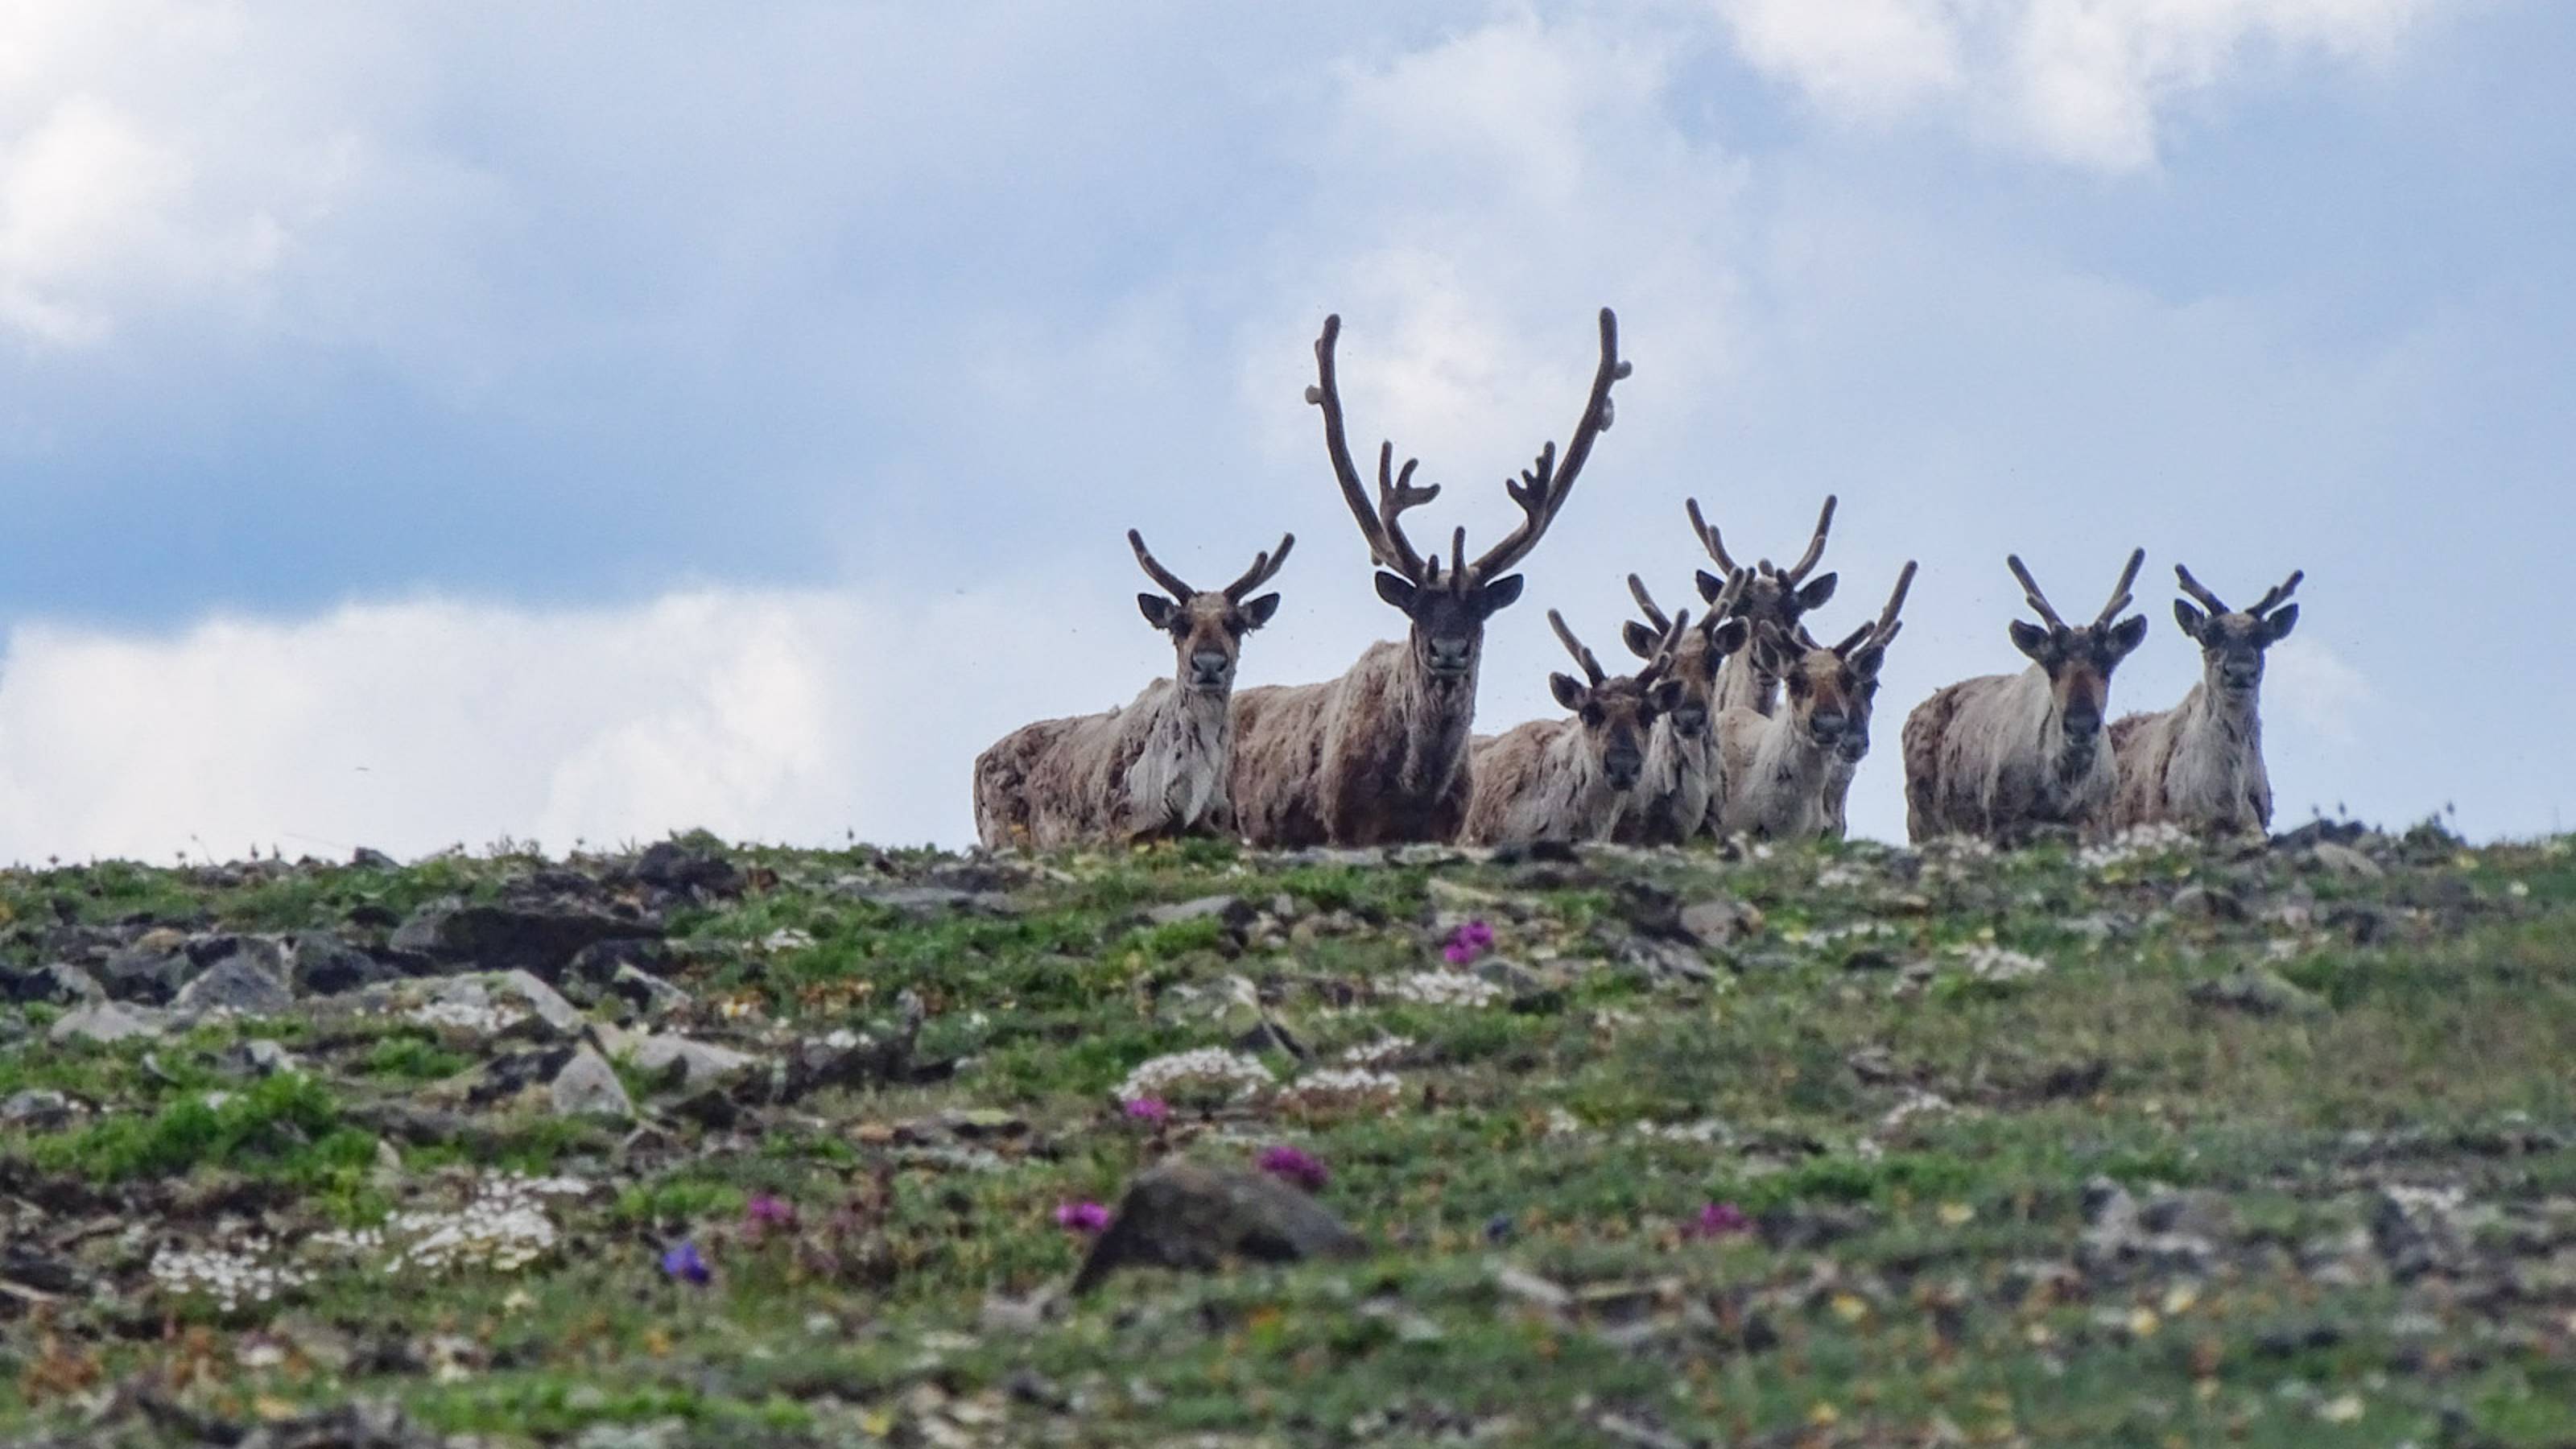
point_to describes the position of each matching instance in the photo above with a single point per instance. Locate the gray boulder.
(1195, 1216)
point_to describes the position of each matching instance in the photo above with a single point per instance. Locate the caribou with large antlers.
(2003, 754)
(1780, 767)
(1571, 779)
(2200, 764)
(1684, 775)
(1771, 596)
(1381, 754)
(1158, 767)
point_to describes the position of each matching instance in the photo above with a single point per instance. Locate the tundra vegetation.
(2263, 1143)
(1381, 754)
(1157, 767)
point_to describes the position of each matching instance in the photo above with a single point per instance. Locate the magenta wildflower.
(1467, 943)
(768, 1212)
(1294, 1164)
(1082, 1217)
(1149, 1109)
(1718, 1220)
(684, 1263)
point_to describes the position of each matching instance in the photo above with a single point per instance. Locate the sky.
(434, 424)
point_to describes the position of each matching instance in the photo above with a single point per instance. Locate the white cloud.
(2316, 690)
(2084, 82)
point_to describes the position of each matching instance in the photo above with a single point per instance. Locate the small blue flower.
(684, 1263)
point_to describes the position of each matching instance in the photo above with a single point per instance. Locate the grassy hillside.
(2149, 1145)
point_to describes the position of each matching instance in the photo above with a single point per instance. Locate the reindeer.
(1684, 769)
(2200, 764)
(1380, 755)
(1572, 779)
(1778, 597)
(1157, 767)
(2005, 754)
(1864, 703)
(1780, 767)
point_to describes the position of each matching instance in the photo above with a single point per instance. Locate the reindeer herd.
(1738, 722)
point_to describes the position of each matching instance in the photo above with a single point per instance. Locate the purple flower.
(1718, 1220)
(684, 1263)
(1082, 1217)
(1295, 1165)
(1467, 943)
(1149, 1109)
(768, 1212)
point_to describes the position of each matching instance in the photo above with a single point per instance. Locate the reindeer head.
(1617, 714)
(1448, 610)
(1693, 655)
(1774, 596)
(1829, 689)
(2232, 642)
(1207, 629)
(2079, 661)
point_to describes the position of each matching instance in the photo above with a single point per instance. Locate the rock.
(57, 983)
(2208, 903)
(646, 993)
(683, 1063)
(588, 1087)
(672, 866)
(1663, 960)
(543, 1001)
(1194, 1216)
(2260, 991)
(2343, 860)
(1526, 990)
(1720, 922)
(540, 940)
(258, 1058)
(1232, 912)
(321, 964)
(37, 1110)
(151, 974)
(597, 965)
(108, 1021)
(236, 983)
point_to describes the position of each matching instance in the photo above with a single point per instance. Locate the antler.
(1542, 489)
(1592, 671)
(1708, 536)
(1655, 619)
(2200, 591)
(1884, 627)
(1387, 544)
(1170, 581)
(1662, 659)
(1737, 580)
(2273, 598)
(1797, 573)
(1265, 566)
(2120, 595)
(2030, 593)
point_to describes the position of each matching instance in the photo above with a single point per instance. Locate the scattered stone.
(1234, 913)
(680, 1062)
(588, 1087)
(1191, 1215)
(321, 964)
(2261, 991)
(539, 940)
(57, 983)
(257, 1058)
(672, 866)
(108, 1021)
(38, 1110)
(151, 973)
(2208, 903)
(237, 983)
(2343, 860)
(369, 858)
(1720, 922)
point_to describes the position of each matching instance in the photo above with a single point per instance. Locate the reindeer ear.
(2191, 619)
(1664, 698)
(1396, 590)
(1729, 636)
(2277, 624)
(2127, 635)
(1257, 612)
(2030, 639)
(1710, 586)
(1865, 661)
(1566, 690)
(1641, 641)
(1817, 592)
(1775, 654)
(1158, 611)
(1493, 598)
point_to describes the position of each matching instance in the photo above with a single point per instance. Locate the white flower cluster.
(1705, 1132)
(224, 1278)
(502, 1228)
(1850, 931)
(1346, 1083)
(1232, 1072)
(1841, 876)
(1378, 1052)
(1915, 1103)
(2138, 842)
(480, 1017)
(1994, 963)
(1447, 988)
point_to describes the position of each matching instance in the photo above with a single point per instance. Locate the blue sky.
(431, 423)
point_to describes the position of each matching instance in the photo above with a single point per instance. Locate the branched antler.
(1543, 488)
(2030, 593)
(2120, 595)
(1884, 627)
(1797, 573)
(2275, 597)
(1388, 546)
(1265, 566)
(1170, 581)
(1654, 616)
